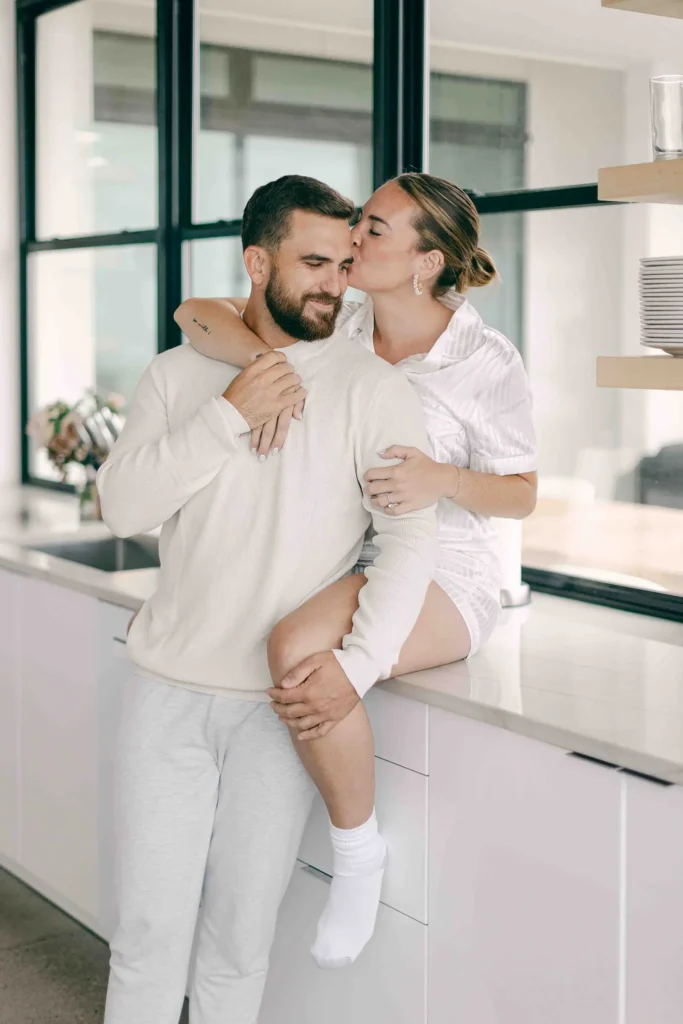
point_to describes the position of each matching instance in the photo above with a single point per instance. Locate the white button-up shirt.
(477, 403)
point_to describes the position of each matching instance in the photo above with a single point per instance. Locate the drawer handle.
(645, 777)
(592, 760)
(118, 640)
(318, 874)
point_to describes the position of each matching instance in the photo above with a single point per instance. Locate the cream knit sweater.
(245, 542)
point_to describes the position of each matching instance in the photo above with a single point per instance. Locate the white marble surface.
(599, 682)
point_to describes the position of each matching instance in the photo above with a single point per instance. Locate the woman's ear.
(257, 262)
(432, 264)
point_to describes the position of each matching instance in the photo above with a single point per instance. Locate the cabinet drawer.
(400, 727)
(386, 985)
(402, 816)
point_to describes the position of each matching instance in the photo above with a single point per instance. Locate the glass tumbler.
(666, 102)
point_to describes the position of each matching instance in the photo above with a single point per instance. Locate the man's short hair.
(267, 215)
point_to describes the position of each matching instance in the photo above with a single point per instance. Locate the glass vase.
(89, 506)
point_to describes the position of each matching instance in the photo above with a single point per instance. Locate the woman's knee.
(285, 649)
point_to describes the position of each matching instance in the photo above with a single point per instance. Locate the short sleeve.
(502, 434)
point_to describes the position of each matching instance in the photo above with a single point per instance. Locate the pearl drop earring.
(417, 287)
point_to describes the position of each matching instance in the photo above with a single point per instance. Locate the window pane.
(477, 132)
(96, 135)
(564, 86)
(92, 323)
(271, 105)
(611, 461)
(214, 266)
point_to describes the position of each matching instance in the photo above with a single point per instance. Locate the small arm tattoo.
(203, 326)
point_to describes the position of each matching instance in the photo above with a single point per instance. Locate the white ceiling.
(573, 30)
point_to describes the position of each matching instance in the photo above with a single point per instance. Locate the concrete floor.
(52, 970)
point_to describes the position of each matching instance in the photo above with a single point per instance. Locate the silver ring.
(393, 504)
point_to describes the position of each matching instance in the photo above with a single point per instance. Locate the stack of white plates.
(661, 303)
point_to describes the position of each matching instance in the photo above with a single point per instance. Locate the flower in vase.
(41, 428)
(67, 438)
(115, 401)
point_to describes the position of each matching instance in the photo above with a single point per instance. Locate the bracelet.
(457, 489)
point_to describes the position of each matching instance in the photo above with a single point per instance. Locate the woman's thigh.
(439, 636)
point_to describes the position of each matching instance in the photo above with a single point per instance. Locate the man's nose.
(334, 282)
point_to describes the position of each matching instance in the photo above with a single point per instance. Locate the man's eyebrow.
(347, 262)
(380, 220)
(313, 257)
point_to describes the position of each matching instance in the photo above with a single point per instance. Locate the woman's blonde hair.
(447, 220)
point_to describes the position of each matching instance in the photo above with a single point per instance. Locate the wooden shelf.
(647, 373)
(658, 182)
(665, 8)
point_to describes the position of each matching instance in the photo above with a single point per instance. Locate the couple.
(264, 618)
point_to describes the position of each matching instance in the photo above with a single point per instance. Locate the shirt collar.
(444, 351)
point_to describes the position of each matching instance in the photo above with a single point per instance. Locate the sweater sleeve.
(153, 471)
(392, 598)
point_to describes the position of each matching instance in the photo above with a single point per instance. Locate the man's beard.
(288, 311)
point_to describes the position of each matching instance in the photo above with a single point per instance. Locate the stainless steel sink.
(110, 554)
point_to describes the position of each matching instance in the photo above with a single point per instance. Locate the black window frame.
(400, 139)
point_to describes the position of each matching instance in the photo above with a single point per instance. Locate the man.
(212, 796)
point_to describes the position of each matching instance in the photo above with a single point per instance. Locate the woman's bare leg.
(342, 763)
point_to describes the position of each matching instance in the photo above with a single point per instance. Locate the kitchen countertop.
(616, 541)
(603, 683)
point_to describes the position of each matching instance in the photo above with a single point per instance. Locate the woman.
(416, 251)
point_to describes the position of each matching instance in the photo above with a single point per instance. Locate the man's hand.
(265, 388)
(314, 696)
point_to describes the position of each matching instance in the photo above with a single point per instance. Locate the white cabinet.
(62, 668)
(523, 878)
(58, 742)
(386, 985)
(402, 816)
(9, 714)
(654, 903)
(400, 727)
(113, 670)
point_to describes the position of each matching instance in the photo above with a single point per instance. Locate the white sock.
(348, 920)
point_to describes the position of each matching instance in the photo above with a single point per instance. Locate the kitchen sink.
(110, 554)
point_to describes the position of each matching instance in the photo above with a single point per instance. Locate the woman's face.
(385, 255)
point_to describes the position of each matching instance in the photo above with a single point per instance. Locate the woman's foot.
(348, 920)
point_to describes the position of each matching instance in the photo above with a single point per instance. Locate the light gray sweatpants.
(211, 804)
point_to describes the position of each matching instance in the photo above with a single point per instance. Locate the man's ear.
(257, 262)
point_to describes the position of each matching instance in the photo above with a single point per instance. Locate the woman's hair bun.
(481, 270)
(446, 219)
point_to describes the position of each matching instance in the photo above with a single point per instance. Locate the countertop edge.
(103, 591)
(555, 736)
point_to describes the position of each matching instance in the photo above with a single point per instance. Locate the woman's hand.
(271, 436)
(415, 483)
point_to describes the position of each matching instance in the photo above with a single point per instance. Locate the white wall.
(573, 280)
(573, 284)
(9, 363)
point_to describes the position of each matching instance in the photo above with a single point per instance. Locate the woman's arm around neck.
(216, 329)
